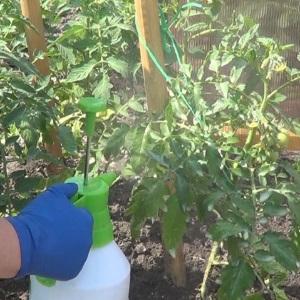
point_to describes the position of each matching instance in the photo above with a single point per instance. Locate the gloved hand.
(55, 236)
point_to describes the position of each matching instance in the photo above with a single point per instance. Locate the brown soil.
(148, 281)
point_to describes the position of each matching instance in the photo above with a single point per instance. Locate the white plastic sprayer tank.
(106, 273)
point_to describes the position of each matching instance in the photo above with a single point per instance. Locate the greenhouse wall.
(278, 20)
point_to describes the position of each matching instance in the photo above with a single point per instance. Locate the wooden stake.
(175, 266)
(36, 41)
(156, 91)
(149, 27)
(31, 9)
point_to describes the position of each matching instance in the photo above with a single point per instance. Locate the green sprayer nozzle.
(90, 106)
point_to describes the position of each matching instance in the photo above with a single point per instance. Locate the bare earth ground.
(148, 281)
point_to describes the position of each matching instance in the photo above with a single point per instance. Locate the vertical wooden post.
(149, 28)
(31, 9)
(156, 91)
(36, 41)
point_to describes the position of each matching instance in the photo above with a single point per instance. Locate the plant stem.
(186, 38)
(283, 86)
(265, 102)
(250, 138)
(242, 93)
(263, 107)
(208, 268)
(253, 188)
(264, 287)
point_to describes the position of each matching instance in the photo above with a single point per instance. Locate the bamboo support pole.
(148, 23)
(31, 9)
(149, 27)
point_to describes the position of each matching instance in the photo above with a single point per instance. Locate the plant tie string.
(156, 61)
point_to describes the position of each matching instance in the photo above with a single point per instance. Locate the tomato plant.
(184, 162)
(188, 164)
(87, 45)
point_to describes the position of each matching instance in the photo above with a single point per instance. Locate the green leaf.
(197, 53)
(136, 106)
(103, 88)
(263, 256)
(30, 136)
(214, 162)
(173, 224)
(248, 36)
(19, 62)
(67, 139)
(215, 61)
(272, 209)
(212, 199)
(279, 293)
(67, 53)
(22, 87)
(169, 115)
(118, 65)
(147, 200)
(224, 88)
(224, 229)
(265, 41)
(160, 159)
(294, 205)
(265, 195)
(236, 279)
(268, 263)
(116, 141)
(234, 248)
(282, 249)
(245, 205)
(81, 72)
(291, 171)
(266, 169)
(256, 296)
(278, 98)
(182, 189)
(28, 184)
(215, 7)
(14, 115)
(74, 32)
(237, 71)
(226, 59)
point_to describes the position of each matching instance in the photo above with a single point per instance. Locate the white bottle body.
(105, 276)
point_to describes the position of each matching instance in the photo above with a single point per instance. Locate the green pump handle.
(90, 106)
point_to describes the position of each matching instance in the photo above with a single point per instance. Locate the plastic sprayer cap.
(94, 198)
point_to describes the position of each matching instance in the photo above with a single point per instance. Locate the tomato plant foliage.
(190, 158)
(87, 43)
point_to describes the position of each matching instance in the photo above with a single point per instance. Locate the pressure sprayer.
(106, 273)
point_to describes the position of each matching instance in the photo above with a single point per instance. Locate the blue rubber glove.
(55, 236)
